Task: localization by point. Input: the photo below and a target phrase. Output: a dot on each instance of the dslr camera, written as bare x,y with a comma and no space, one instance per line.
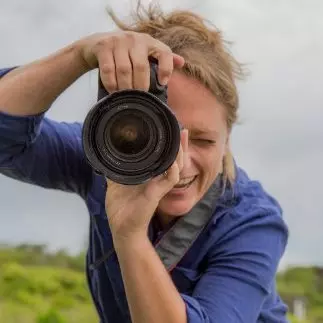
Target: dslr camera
131,136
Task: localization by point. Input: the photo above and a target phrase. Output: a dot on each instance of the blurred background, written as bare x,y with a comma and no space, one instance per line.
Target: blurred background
278,142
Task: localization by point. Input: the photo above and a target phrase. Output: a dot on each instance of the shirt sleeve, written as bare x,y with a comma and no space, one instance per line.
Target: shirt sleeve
38,150
241,272
4,71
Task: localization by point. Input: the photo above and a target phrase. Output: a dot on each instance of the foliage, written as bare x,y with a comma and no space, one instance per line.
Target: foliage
51,316
37,286
41,287
37,255
304,283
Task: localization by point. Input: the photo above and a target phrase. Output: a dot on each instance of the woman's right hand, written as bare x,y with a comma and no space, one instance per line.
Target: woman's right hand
122,58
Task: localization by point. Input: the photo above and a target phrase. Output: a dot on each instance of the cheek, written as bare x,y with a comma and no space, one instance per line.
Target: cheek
213,163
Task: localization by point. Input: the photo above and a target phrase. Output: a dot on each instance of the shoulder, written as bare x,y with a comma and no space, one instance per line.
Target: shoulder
246,207
248,235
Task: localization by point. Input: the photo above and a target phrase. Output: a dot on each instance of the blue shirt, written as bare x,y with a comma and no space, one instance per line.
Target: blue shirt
228,274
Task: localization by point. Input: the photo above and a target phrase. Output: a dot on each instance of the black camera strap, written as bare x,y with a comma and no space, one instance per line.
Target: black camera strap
173,246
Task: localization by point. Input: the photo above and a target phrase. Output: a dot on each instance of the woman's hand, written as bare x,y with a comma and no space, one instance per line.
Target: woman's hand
122,58
131,207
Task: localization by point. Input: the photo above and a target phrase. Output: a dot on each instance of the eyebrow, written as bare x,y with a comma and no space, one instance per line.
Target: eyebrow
196,131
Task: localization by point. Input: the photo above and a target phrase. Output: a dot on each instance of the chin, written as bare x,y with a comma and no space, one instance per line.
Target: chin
175,208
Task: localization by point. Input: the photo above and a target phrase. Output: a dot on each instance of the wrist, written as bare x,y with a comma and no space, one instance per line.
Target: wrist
78,49
131,241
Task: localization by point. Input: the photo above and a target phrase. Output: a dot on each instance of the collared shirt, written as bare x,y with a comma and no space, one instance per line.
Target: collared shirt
228,274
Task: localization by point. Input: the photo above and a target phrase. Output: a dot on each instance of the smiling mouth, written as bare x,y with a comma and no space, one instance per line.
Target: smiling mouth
185,184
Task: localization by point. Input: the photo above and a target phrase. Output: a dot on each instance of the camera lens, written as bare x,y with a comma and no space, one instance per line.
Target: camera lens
128,134
131,136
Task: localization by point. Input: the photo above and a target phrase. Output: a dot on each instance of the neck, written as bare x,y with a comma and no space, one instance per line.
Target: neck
164,220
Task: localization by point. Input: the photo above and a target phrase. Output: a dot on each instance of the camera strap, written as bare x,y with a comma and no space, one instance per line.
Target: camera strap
174,244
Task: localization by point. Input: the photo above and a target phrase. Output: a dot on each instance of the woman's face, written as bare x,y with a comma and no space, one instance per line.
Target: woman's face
197,110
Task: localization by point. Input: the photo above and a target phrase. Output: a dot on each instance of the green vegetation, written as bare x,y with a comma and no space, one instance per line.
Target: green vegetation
304,283
39,287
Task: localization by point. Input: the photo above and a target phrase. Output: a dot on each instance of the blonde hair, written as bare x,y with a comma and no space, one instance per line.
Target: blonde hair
206,57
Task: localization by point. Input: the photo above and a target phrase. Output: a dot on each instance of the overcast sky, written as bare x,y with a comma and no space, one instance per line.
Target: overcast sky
279,140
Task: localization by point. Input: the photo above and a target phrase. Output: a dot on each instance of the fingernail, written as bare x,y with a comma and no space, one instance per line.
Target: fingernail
164,80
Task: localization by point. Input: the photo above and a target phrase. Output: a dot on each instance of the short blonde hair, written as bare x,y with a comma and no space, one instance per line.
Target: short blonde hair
207,58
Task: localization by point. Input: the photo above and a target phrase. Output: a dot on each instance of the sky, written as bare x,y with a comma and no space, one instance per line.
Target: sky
278,140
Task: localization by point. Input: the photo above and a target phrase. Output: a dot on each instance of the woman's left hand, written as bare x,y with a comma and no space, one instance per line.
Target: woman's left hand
131,207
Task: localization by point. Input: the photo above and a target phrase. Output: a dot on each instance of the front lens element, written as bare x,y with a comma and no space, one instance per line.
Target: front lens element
129,135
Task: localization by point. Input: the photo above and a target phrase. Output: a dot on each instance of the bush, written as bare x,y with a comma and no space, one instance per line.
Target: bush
51,316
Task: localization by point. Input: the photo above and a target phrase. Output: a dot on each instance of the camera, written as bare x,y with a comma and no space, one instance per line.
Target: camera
131,136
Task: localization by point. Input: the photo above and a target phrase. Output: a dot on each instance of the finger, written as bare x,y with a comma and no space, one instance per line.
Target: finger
140,68
165,66
164,56
162,184
184,140
123,67
107,70
172,173
180,159
183,149
166,63
178,61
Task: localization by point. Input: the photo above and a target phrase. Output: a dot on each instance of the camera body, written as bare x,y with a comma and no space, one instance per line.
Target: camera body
130,136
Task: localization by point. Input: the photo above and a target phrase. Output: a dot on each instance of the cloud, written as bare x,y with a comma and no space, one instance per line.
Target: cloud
278,141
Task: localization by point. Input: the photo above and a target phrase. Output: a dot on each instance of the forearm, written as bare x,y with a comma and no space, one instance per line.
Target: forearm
151,294
32,88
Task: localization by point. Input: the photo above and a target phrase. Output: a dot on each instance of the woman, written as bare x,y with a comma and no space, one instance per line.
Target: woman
228,273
